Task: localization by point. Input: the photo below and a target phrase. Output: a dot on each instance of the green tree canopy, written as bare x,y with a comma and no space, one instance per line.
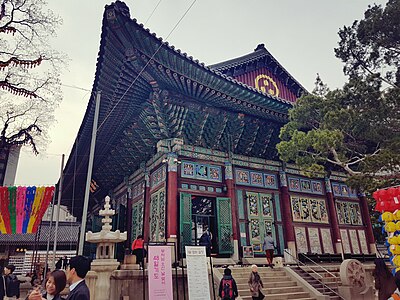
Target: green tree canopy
355,129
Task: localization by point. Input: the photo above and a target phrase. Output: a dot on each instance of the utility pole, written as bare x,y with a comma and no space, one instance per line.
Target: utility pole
89,174
58,210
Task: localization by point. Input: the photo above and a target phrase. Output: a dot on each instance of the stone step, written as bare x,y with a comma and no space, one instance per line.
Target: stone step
264,279
262,275
267,285
283,296
274,291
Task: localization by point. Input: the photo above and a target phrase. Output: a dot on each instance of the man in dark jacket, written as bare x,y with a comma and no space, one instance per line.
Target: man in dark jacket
11,282
206,240
76,273
227,287
2,286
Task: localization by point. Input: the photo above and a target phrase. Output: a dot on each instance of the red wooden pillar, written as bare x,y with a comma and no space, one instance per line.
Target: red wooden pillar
287,214
368,225
146,215
172,201
230,193
333,219
172,196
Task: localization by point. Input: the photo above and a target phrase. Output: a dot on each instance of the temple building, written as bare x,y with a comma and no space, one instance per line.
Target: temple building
182,147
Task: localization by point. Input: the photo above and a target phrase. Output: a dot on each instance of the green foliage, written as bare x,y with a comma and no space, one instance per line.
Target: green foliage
371,45
355,129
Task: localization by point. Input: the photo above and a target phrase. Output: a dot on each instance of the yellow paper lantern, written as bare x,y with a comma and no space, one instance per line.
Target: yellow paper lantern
396,260
390,227
387,216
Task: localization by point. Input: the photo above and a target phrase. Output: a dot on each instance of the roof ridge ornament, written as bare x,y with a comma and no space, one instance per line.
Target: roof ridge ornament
260,47
120,7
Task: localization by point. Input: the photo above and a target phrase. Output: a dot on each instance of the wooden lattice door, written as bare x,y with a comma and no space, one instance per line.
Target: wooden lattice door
157,216
185,224
224,217
260,214
137,219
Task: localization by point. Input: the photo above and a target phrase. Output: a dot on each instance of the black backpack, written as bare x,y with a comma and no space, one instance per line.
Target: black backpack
227,289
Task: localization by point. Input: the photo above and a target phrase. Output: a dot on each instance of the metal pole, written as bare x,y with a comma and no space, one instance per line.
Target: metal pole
58,210
89,173
50,232
212,276
144,279
176,271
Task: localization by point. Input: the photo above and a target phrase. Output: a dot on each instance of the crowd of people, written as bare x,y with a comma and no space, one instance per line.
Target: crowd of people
72,272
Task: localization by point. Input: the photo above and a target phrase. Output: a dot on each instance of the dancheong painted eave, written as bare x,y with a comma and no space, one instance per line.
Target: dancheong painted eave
134,70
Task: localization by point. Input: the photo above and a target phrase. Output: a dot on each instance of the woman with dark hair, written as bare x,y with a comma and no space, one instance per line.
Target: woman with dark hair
54,285
138,250
384,280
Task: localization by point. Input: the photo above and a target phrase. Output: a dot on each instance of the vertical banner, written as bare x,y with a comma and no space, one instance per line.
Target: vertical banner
160,273
197,273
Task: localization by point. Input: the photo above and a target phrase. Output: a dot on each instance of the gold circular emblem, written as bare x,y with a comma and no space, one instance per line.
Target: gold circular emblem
266,84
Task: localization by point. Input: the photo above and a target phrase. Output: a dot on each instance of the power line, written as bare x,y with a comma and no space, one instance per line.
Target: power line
75,87
148,62
153,12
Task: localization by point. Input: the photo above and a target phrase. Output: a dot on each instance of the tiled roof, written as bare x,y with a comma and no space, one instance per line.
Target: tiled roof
68,232
152,91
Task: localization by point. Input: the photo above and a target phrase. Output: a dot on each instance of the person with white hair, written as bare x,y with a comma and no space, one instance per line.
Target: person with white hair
255,284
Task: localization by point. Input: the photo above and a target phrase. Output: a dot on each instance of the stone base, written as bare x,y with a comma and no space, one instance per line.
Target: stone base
130,262
354,293
99,265
372,248
103,269
235,255
292,246
173,240
129,267
277,261
339,248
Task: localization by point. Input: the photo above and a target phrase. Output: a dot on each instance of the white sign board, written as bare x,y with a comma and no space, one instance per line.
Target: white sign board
197,273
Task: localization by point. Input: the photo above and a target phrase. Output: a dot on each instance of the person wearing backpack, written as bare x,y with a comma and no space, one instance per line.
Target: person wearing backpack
11,283
227,287
255,284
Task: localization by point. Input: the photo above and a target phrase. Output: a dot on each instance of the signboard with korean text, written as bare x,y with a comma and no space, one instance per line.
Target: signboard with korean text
197,273
160,273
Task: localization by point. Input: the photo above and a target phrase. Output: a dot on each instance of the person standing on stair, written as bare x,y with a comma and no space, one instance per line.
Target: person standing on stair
227,287
206,241
255,284
268,247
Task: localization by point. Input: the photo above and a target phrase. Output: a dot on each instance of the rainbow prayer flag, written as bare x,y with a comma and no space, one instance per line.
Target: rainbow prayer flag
22,208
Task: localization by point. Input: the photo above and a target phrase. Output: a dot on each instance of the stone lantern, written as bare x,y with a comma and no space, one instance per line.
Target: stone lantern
105,264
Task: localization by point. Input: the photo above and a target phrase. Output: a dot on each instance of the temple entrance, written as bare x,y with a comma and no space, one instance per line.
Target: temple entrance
203,217
200,212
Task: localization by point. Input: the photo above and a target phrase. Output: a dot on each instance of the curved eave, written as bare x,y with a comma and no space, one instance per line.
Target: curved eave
134,36
125,47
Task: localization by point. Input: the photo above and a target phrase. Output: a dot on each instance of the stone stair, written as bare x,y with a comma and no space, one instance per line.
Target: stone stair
321,281
277,284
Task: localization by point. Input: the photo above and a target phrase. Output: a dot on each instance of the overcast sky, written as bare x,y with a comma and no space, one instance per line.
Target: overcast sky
301,35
